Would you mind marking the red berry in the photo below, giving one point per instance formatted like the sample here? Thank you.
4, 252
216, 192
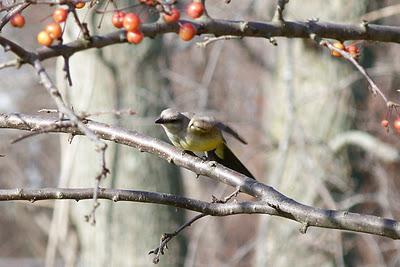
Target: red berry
17, 20
173, 16
54, 30
149, 2
134, 37
44, 38
131, 22
118, 19
187, 31
195, 10
385, 123
60, 15
353, 50
338, 45
396, 124
80, 4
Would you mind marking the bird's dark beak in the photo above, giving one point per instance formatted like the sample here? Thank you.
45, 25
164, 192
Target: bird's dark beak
159, 120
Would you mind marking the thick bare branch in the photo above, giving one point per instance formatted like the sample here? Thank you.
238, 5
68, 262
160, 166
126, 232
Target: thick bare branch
214, 209
290, 29
275, 203
216, 27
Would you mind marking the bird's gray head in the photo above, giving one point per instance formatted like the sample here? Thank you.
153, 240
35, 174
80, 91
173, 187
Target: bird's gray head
172, 120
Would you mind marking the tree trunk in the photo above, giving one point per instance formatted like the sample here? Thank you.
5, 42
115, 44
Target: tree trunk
306, 109
118, 77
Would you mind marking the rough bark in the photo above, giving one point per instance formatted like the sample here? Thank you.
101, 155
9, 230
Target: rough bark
306, 110
118, 77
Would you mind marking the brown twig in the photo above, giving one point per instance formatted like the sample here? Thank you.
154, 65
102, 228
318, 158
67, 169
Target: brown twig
46, 110
47, 129
166, 237
280, 6
118, 113
81, 25
12, 63
208, 40
102, 175
67, 71
227, 198
374, 88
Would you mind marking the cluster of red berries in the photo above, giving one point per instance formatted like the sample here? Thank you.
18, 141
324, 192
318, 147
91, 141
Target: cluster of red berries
396, 124
131, 22
187, 31
352, 49
53, 30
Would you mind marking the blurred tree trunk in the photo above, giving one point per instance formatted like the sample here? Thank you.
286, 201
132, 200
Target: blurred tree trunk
306, 109
117, 77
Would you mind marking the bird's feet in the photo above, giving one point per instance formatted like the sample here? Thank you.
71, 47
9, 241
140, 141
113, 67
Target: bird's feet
191, 153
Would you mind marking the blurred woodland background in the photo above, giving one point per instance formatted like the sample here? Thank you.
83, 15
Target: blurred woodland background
295, 104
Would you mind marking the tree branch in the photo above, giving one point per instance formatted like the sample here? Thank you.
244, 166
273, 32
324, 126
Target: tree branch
269, 201
289, 29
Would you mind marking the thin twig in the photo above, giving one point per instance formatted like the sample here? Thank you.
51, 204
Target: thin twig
374, 88
46, 110
103, 174
280, 6
117, 113
227, 198
166, 237
81, 25
12, 63
47, 129
208, 40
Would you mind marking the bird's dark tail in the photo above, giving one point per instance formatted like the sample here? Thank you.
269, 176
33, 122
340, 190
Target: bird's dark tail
223, 155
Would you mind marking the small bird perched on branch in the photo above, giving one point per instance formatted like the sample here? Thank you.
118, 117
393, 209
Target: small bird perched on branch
197, 133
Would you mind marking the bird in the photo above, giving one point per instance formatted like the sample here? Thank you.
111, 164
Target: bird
202, 133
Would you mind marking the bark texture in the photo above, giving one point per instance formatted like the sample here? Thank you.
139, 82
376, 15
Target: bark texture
119, 77
307, 108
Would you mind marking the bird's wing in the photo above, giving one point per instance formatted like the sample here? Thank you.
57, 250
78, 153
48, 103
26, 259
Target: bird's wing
209, 122
225, 156
225, 128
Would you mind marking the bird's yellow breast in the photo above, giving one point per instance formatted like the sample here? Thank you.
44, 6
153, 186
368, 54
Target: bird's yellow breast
201, 142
